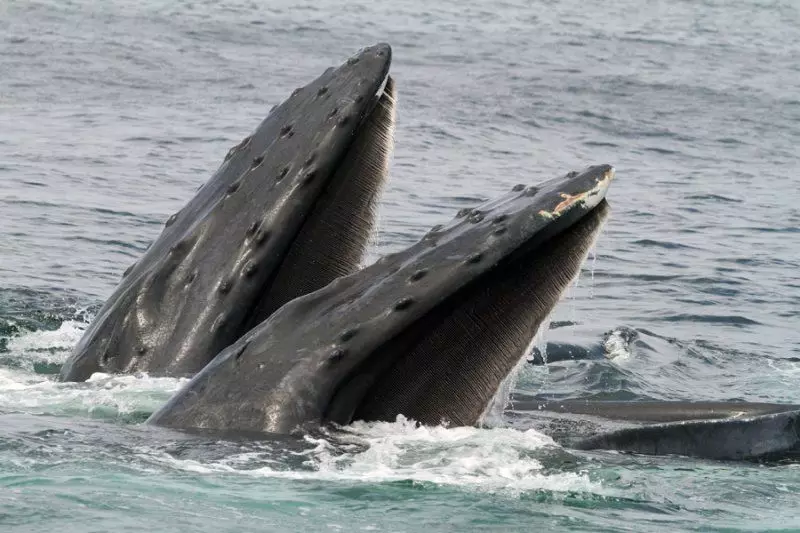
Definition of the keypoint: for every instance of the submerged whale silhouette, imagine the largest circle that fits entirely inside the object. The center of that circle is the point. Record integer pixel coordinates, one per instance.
(253, 286)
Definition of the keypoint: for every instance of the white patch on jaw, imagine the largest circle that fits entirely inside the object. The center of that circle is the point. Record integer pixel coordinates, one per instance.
(382, 87)
(590, 198)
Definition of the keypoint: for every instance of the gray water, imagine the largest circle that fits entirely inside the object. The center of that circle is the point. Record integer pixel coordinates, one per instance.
(112, 114)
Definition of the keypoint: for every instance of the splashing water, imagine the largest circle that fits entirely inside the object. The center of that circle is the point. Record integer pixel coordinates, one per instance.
(497, 460)
(33, 358)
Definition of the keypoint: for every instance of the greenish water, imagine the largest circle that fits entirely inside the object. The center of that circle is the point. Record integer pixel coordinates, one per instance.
(112, 114)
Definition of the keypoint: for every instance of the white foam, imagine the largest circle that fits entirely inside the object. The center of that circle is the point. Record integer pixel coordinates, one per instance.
(102, 395)
(488, 460)
(47, 346)
(616, 346)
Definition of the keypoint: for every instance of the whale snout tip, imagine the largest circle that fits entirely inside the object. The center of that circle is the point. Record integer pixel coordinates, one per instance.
(600, 176)
(380, 51)
(605, 179)
(600, 173)
(368, 65)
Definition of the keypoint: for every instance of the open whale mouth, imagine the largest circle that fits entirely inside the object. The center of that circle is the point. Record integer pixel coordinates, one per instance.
(447, 365)
(291, 208)
(333, 238)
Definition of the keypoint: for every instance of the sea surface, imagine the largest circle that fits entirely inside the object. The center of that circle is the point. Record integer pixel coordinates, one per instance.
(113, 113)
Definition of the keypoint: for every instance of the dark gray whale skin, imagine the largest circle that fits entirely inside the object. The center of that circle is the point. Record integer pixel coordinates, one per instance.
(763, 432)
(325, 357)
(204, 281)
(653, 411)
(768, 437)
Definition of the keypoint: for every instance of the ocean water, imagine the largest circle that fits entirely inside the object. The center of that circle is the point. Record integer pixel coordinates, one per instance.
(112, 114)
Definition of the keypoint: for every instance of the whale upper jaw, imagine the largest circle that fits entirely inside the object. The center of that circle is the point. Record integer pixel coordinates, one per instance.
(290, 209)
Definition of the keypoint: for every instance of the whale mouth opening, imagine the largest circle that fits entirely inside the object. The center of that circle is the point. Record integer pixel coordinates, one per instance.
(447, 366)
(336, 231)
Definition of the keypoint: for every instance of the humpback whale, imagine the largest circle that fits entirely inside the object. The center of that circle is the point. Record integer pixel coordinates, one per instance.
(253, 288)
(290, 209)
(430, 332)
